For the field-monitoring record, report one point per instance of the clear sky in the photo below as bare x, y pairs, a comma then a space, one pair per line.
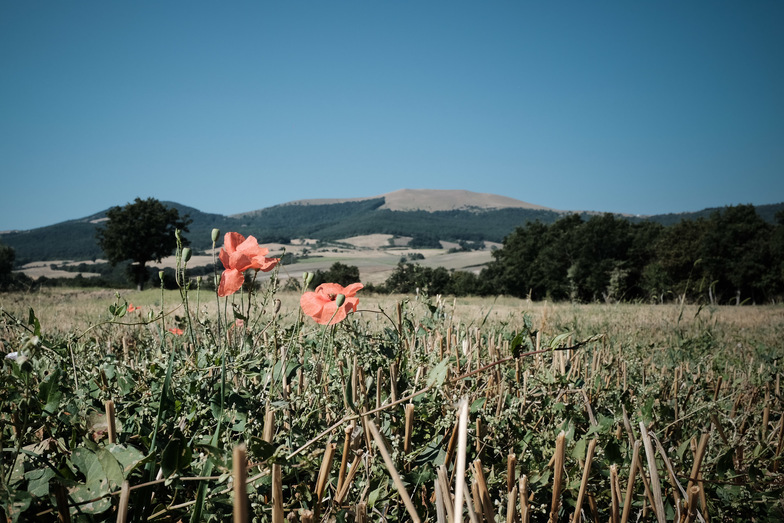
634, 107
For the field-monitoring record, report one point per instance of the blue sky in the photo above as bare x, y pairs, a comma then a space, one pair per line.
634, 107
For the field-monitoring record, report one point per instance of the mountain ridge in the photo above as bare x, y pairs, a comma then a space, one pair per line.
430, 200
451, 215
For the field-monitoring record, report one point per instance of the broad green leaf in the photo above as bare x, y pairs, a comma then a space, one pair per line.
578, 452
49, 392
437, 374
127, 457
38, 481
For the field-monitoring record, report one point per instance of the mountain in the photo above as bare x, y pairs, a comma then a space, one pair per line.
427, 216
431, 200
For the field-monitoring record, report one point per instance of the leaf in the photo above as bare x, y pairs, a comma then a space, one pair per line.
578, 452
33, 320
558, 340
128, 457
19, 503
478, 404
348, 394
49, 392
38, 481
437, 374
170, 457
112, 470
516, 345
261, 450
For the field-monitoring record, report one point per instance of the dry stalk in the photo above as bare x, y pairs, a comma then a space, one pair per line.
442, 487
627, 502
350, 478
460, 465
694, 492
240, 476
382, 448
326, 464
511, 462
122, 509
614, 493
344, 457
269, 425
484, 493
409, 414
111, 430
277, 495
511, 512
557, 476
584, 484
695, 469
525, 514
658, 506
440, 511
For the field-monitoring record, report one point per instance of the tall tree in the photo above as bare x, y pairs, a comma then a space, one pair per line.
736, 252
141, 231
7, 256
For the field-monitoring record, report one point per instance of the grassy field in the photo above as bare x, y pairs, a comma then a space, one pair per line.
531, 411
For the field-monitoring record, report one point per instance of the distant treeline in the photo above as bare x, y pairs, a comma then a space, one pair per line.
76, 239
733, 256
730, 255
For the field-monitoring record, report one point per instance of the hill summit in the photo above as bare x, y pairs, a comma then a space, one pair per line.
429, 200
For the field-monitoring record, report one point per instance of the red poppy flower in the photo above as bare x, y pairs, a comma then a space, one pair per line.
239, 254
321, 306
176, 331
131, 308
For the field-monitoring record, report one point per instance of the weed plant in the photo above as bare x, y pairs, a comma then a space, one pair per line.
189, 377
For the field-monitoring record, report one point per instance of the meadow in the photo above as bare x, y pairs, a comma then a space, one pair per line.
168, 406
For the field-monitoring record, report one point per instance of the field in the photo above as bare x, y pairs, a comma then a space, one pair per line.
375, 255
527, 411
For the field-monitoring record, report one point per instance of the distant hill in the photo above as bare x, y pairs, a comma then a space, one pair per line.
431, 200
425, 215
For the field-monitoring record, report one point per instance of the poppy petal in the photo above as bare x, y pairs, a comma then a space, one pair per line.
232, 240
330, 288
352, 289
231, 281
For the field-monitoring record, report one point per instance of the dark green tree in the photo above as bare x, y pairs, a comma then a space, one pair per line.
7, 256
777, 252
736, 252
339, 273
514, 270
141, 232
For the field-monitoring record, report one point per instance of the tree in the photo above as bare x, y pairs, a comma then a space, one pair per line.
141, 231
7, 256
338, 273
736, 252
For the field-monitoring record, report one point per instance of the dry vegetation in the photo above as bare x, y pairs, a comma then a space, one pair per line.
681, 384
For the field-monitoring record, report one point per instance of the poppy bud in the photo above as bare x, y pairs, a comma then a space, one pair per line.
160, 275
186, 254
340, 299
215, 235
308, 277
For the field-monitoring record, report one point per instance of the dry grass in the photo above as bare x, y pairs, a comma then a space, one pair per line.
73, 310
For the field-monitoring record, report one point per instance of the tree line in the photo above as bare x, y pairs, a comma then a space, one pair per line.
732, 256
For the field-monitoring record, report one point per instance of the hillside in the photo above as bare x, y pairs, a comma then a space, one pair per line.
427, 216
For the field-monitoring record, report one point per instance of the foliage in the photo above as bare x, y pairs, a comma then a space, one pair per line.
337, 273
730, 256
7, 256
141, 231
